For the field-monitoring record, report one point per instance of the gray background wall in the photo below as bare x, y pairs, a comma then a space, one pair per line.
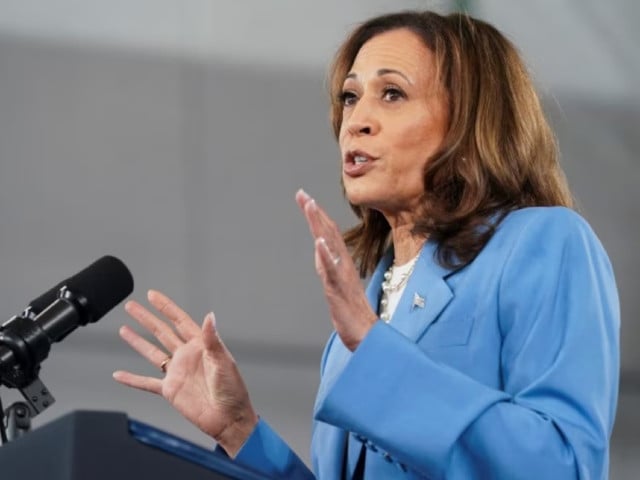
174, 134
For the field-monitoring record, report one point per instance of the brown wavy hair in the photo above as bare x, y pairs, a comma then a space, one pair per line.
498, 155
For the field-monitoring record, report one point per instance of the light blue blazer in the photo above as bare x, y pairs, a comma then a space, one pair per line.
504, 369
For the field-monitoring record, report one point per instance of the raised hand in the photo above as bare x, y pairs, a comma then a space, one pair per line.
201, 378
349, 308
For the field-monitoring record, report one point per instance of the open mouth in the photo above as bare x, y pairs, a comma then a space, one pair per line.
360, 159
357, 163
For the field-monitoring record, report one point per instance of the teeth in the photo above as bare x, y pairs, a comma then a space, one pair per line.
360, 159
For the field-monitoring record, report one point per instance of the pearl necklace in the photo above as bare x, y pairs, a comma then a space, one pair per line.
389, 288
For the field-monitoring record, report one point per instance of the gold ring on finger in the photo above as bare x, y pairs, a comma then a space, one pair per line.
165, 362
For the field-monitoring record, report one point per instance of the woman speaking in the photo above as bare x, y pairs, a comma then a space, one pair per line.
487, 342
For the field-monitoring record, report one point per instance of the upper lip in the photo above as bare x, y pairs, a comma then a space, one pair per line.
351, 154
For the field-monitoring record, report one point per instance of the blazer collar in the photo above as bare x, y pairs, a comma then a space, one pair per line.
425, 295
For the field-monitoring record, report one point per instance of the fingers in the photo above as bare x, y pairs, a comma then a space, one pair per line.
148, 350
329, 259
302, 198
305, 201
185, 326
148, 384
159, 329
319, 222
323, 228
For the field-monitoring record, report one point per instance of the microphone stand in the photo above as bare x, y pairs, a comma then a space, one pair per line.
18, 420
22, 375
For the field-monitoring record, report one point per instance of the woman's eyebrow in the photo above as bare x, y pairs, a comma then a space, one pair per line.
385, 71
381, 72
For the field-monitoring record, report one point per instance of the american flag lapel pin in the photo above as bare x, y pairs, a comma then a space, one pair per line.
418, 301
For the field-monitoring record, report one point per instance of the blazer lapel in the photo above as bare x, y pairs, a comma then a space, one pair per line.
425, 296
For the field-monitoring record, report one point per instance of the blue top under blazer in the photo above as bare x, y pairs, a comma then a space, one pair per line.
508, 369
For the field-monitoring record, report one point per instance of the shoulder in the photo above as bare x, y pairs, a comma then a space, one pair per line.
544, 236
548, 238
548, 228
551, 220
554, 272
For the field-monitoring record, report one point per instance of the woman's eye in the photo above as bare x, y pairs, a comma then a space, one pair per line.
348, 98
392, 94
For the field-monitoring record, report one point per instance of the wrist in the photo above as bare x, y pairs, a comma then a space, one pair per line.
367, 325
234, 435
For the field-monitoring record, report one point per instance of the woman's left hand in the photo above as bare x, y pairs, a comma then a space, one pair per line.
349, 308
201, 378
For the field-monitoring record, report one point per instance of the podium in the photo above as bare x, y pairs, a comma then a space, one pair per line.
87, 445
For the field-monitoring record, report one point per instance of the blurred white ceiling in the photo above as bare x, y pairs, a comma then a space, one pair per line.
587, 47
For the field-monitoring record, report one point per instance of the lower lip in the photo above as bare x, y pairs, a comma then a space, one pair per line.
352, 169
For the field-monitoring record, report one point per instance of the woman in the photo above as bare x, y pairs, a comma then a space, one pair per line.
486, 345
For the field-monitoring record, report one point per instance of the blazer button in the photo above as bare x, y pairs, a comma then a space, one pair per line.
387, 457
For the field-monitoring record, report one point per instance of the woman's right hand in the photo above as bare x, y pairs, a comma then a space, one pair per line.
202, 380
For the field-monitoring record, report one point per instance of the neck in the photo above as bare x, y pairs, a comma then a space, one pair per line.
405, 245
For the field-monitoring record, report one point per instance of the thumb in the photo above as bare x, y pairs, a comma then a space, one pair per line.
211, 339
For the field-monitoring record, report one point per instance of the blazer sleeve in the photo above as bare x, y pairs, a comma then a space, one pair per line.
266, 452
553, 415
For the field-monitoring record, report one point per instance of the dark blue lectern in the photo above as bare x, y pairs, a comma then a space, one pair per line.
88, 445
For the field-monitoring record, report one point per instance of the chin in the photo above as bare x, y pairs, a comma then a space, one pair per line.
362, 197
365, 193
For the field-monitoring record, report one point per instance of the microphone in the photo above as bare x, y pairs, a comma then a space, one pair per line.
83, 298
37, 305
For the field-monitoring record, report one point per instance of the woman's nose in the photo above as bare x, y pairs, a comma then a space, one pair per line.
357, 129
362, 120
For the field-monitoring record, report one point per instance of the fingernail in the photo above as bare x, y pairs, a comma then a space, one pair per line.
213, 319
312, 204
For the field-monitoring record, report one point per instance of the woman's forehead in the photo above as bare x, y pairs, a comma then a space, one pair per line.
400, 50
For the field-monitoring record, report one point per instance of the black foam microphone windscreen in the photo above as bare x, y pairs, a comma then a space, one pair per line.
104, 284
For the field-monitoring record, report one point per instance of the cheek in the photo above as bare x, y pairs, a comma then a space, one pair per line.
419, 141
410, 149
